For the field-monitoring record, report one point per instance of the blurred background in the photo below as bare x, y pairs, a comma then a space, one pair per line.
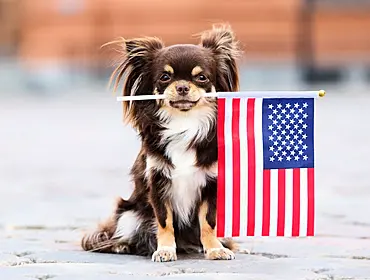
63, 146
49, 46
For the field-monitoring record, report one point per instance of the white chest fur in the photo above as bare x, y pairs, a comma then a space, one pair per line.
187, 179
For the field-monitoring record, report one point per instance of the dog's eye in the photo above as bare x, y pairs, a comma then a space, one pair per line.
202, 78
165, 78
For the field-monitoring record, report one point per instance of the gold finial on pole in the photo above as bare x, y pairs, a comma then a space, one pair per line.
321, 93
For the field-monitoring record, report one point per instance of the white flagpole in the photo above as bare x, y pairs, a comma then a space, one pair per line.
245, 94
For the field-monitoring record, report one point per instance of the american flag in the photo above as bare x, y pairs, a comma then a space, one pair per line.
265, 167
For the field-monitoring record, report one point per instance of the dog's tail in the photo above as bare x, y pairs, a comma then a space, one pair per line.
102, 240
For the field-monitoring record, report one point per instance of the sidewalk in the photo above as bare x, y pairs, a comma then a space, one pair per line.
63, 161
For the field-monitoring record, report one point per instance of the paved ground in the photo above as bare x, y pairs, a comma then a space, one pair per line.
62, 162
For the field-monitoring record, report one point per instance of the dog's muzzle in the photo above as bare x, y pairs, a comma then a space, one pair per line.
183, 104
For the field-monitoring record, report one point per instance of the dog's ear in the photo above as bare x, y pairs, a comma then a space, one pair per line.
134, 68
225, 48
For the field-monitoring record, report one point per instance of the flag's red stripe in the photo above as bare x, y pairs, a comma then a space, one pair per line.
281, 203
311, 202
251, 167
236, 167
221, 168
266, 203
296, 201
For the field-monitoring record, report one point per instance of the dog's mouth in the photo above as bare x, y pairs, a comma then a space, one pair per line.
183, 105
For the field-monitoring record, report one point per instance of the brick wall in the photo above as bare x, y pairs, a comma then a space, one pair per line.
342, 35
265, 28
75, 29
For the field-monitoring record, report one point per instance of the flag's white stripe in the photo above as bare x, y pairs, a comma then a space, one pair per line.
273, 202
259, 166
288, 202
303, 202
228, 167
243, 167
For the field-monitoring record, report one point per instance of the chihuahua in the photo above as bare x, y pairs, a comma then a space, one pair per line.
173, 206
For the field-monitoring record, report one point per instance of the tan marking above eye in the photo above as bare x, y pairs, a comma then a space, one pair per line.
196, 70
169, 69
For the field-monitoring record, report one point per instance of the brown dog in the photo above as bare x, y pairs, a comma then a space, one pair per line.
173, 206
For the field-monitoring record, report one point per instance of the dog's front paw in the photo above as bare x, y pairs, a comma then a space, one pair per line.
164, 254
219, 254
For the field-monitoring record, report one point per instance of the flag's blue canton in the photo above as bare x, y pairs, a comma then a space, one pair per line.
288, 133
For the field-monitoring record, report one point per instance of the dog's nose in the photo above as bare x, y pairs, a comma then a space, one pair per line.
182, 89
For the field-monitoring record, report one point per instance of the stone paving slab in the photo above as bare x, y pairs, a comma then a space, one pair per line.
64, 160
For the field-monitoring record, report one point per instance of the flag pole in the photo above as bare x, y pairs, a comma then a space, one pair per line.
245, 94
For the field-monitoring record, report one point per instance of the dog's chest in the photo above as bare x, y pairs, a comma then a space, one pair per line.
187, 179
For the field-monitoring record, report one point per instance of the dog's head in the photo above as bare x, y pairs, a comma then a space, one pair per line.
183, 73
